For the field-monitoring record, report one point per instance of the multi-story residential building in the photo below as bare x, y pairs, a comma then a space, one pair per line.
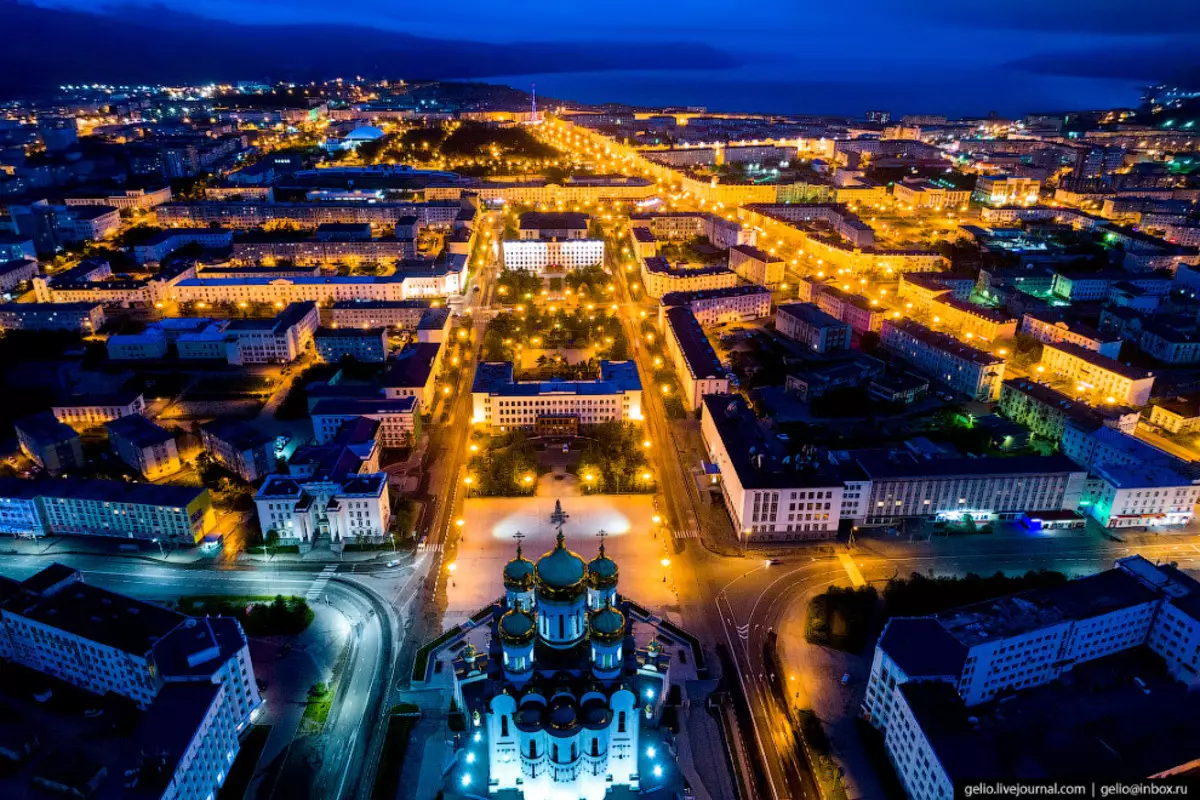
243, 450
144, 446
1179, 415
902, 486
844, 222
248, 216
93, 281
931, 674
920, 288
147, 344
1169, 344
756, 266
724, 233
1092, 286
17, 271
858, 312
1046, 326
537, 255
413, 372
501, 403
399, 419
919, 193
1004, 190
339, 507
660, 278
1143, 494
966, 369
1096, 374
52, 445
92, 410
72, 506
192, 678
740, 303
360, 344
83, 317
971, 321
431, 279
320, 250
1090, 445
769, 498
399, 314
696, 363
273, 341
127, 200
1046, 412
172, 239
808, 325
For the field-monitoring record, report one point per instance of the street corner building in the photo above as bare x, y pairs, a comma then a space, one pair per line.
563, 685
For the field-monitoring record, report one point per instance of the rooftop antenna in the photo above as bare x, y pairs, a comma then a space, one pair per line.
533, 101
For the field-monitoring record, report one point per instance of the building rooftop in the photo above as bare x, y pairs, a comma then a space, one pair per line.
1082, 598
324, 332
698, 353
945, 343
413, 366
364, 406
236, 433
922, 647
138, 430
685, 298
759, 462
1099, 725
536, 220
59, 599
755, 253
1097, 360
883, 464
117, 492
44, 428
496, 378
811, 314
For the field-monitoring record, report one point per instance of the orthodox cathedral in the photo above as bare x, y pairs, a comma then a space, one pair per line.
560, 701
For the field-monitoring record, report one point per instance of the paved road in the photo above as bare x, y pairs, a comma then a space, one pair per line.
759, 597
354, 726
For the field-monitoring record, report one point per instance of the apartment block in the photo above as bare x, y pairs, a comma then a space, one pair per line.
243, 450
144, 446
808, 325
965, 369
696, 363
1097, 374
52, 445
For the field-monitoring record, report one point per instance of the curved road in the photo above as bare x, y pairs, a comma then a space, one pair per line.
354, 731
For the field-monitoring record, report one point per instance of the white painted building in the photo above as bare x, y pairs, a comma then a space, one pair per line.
89, 411
770, 499
536, 255
501, 403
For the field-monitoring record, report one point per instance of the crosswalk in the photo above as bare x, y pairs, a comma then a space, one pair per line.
318, 585
428, 547
686, 533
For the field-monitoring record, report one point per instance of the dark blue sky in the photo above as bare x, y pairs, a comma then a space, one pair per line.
856, 41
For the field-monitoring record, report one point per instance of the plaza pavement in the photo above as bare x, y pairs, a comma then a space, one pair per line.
488, 544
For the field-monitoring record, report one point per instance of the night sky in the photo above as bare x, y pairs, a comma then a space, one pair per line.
863, 41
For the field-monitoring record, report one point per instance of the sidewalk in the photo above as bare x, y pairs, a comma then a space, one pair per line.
816, 674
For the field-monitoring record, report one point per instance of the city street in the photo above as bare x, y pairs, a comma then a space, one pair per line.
366, 597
